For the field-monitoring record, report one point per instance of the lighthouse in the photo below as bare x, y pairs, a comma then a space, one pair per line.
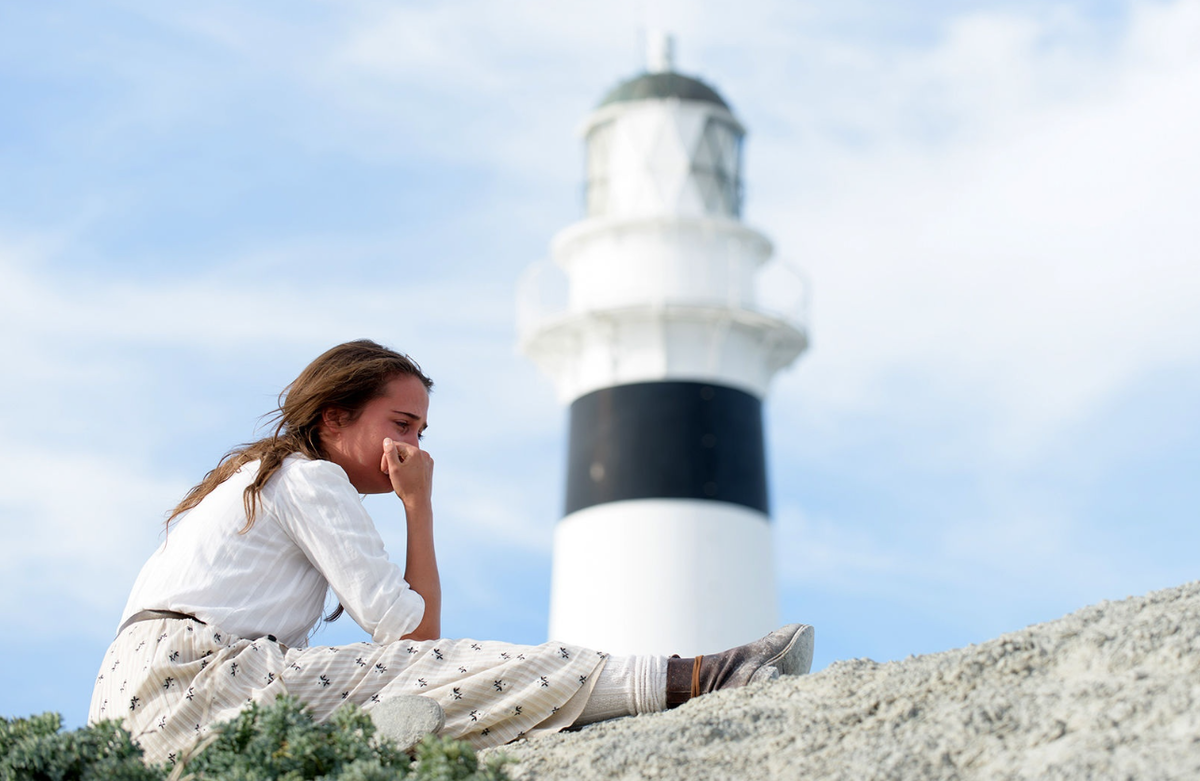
662, 346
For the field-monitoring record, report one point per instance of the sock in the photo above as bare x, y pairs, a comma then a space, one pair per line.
628, 685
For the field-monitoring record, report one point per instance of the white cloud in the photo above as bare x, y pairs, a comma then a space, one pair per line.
820, 550
1035, 262
78, 526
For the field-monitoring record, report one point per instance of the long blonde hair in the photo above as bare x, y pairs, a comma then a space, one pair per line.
343, 378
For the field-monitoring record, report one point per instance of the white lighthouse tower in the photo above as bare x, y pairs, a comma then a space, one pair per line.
664, 350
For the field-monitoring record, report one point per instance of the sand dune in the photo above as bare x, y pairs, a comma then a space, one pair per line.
1111, 691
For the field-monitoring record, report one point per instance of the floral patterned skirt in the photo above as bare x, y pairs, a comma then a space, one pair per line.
168, 680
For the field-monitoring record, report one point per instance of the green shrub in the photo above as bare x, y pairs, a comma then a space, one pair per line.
262, 744
32, 748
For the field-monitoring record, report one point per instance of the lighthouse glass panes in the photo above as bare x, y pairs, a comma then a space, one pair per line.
598, 143
665, 157
715, 166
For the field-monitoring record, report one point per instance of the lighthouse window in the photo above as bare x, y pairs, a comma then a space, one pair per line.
599, 150
715, 167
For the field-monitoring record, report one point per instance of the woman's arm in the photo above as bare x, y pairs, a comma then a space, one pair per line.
411, 472
320, 511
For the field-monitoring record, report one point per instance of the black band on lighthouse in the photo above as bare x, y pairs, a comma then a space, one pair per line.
666, 440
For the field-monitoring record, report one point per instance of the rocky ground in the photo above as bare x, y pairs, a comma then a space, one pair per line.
1111, 691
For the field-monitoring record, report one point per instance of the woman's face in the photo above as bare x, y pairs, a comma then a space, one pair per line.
400, 414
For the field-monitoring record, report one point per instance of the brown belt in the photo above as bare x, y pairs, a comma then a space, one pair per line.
146, 615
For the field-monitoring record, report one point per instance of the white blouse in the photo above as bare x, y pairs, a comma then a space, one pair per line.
311, 534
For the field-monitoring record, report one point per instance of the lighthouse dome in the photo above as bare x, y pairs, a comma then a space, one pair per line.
662, 85
663, 145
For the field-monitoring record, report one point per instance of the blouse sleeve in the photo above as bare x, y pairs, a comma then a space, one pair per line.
319, 509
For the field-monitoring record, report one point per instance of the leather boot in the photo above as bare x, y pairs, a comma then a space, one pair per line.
786, 651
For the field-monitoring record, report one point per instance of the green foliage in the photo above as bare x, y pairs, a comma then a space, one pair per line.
34, 749
283, 742
443, 759
262, 744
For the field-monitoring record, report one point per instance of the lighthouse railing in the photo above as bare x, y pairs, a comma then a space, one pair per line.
542, 295
780, 291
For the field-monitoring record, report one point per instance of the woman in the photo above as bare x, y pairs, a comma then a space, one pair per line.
221, 613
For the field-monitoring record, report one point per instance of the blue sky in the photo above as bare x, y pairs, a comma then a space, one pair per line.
994, 202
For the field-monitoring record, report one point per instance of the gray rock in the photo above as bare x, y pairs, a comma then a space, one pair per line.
1111, 691
407, 718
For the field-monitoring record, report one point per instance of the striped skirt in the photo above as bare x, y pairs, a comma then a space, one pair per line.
169, 680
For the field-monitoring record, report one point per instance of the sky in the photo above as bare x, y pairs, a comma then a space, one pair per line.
994, 204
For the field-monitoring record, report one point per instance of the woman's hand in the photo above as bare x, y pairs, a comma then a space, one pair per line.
411, 472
